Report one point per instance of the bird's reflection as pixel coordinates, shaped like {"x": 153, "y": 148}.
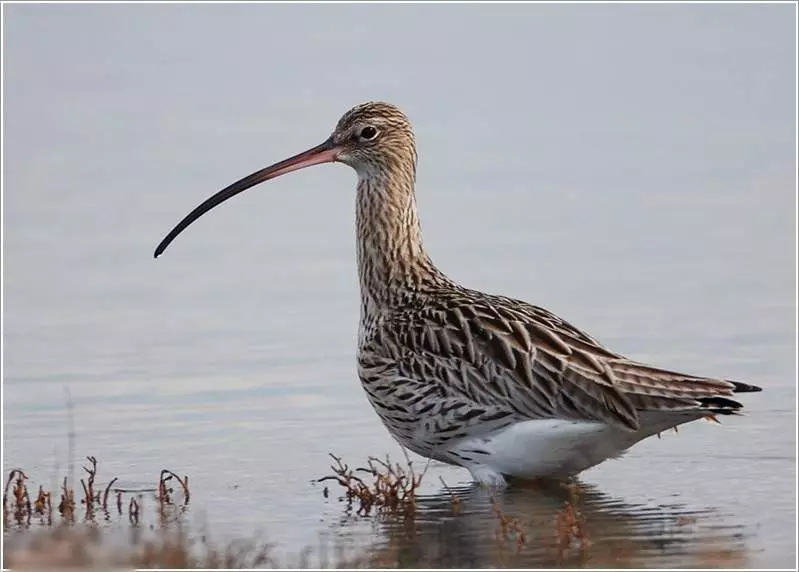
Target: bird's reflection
{"x": 534, "y": 526}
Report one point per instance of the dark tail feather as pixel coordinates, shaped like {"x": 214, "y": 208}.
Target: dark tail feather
{"x": 720, "y": 405}
{"x": 744, "y": 387}
{"x": 724, "y": 405}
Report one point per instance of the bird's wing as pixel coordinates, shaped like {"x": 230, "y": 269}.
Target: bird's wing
{"x": 494, "y": 350}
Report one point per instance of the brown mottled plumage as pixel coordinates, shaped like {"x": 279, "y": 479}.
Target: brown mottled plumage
{"x": 494, "y": 384}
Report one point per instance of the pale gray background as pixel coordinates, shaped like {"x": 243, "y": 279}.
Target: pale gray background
{"x": 629, "y": 167}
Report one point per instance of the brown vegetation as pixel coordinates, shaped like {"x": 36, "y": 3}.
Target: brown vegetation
{"x": 18, "y": 510}
{"x": 392, "y": 489}
{"x": 71, "y": 532}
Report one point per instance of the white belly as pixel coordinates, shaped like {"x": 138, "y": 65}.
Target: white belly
{"x": 542, "y": 448}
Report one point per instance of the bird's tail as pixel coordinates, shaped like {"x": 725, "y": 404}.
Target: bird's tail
{"x": 655, "y": 389}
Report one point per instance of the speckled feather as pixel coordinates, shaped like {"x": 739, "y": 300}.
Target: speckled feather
{"x": 441, "y": 363}
{"x": 494, "y": 384}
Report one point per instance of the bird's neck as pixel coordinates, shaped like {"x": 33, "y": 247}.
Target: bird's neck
{"x": 393, "y": 266}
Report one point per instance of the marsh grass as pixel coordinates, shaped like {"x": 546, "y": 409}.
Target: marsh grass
{"x": 102, "y": 525}
{"x": 389, "y": 488}
{"x": 93, "y": 503}
{"x": 40, "y": 532}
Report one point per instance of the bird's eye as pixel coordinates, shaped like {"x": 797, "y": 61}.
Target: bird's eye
{"x": 367, "y": 133}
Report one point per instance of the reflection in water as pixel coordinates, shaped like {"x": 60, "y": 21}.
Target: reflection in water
{"x": 617, "y": 533}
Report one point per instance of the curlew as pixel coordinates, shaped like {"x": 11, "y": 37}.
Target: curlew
{"x": 495, "y": 385}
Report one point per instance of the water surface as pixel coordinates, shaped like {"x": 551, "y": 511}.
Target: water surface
{"x": 629, "y": 167}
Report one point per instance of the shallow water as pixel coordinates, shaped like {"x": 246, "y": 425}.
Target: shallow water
{"x": 578, "y": 157}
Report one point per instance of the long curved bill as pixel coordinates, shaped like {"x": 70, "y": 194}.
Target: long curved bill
{"x": 324, "y": 153}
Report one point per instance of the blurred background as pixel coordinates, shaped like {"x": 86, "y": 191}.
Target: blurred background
{"x": 629, "y": 167}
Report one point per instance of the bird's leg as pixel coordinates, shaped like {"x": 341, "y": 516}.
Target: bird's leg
{"x": 487, "y": 477}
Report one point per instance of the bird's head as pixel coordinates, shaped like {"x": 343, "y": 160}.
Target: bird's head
{"x": 372, "y": 138}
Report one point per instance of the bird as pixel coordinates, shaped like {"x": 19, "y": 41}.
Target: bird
{"x": 501, "y": 387}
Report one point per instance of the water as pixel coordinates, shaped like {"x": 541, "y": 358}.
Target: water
{"x": 629, "y": 167}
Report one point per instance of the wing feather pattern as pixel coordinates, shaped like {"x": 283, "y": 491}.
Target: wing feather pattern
{"x": 494, "y": 357}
